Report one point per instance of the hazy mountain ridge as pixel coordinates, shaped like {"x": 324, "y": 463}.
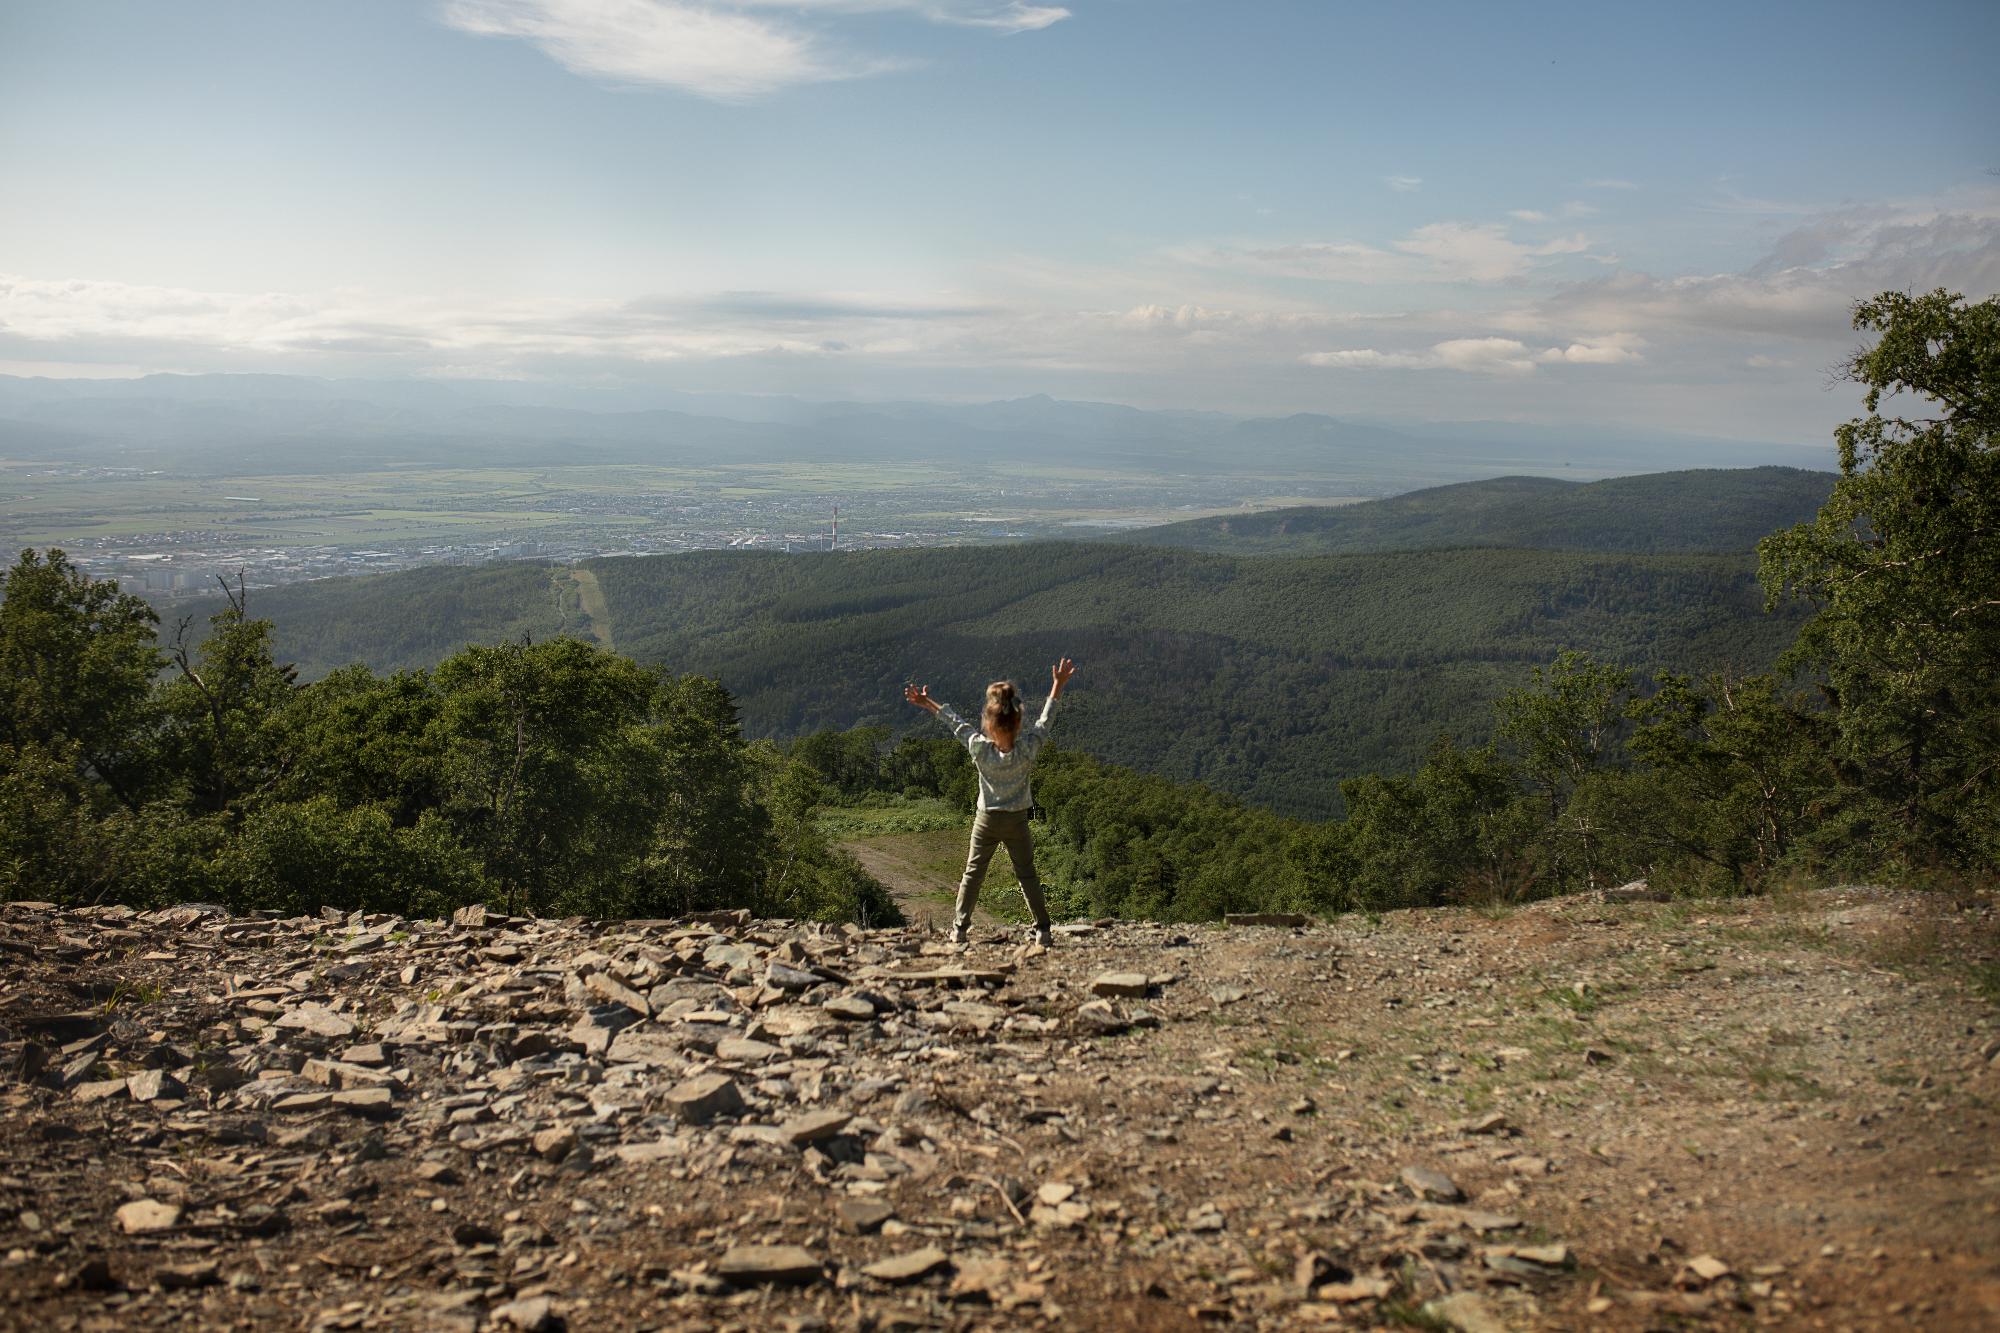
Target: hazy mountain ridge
{"x": 278, "y": 424}
{"x": 1692, "y": 511}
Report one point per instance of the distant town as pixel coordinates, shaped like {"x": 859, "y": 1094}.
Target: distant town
{"x": 279, "y": 530}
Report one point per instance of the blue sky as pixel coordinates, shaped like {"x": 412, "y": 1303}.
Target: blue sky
{"x": 1642, "y": 216}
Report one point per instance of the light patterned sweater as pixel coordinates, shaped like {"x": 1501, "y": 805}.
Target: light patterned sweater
{"x": 1003, "y": 775}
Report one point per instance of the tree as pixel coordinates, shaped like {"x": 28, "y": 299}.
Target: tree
{"x": 1735, "y": 774}
{"x": 77, "y": 662}
{"x": 222, "y": 709}
{"x": 1565, "y": 730}
{"x": 547, "y": 768}
{"x": 710, "y": 837}
{"x": 1451, "y": 830}
{"x": 1903, "y": 568}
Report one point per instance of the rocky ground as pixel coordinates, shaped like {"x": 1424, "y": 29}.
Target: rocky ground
{"x": 1582, "y": 1114}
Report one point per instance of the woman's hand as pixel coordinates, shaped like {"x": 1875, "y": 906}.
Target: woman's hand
{"x": 920, "y": 695}
{"x": 1059, "y": 675}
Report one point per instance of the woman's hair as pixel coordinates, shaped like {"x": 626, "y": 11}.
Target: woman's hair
{"x": 1003, "y": 709}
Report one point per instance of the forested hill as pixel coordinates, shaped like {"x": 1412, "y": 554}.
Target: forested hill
{"x": 1269, "y": 679}
{"x": 1721, "y": 510}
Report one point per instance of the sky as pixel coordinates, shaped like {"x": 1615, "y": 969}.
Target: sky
{"x": 1644, "y": 216}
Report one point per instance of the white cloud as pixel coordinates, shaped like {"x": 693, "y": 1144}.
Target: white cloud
{"x": 1438, "y": 252}
{"x": 1001, "y": 15}
{"x": 1475, "y": 356}
{"x": 1367, "y": 358}
{"x": 1806, "y": 284}
{"x": 1610, "y": 350}
{"x": 1528, "y": 215}
{"x": 1405, "y": 184}
{"x": 718, "y": 49}
{"x": 1459, "y": 252}
{"x": 1610, "y": 183}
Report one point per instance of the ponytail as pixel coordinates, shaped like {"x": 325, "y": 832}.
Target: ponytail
{"x": 1003, "y": 709}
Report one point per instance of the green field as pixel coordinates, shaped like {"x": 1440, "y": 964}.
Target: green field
{"x": 43, "y": 504}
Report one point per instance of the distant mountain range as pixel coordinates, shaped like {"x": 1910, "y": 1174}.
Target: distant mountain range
{"x": 270, "y": 424}
{"x": 1272, "y": 678}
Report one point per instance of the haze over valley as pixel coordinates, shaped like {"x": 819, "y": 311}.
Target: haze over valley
{"x": 172, "y": 482}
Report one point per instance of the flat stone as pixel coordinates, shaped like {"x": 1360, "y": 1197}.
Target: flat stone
{"x": 744, "y": 1051}
{"x": 152, "y": 1085}
{"x": 1101, "y": 1017}
{"x": 981, "y": 1280}
{"x": 908, "y": 1267}
{"x": 1466, "y": 1311}
{"x": 303, "y": 1101}
{"x": 864, "y": 1215}
{"x": 316, "y": 1019}
{"x": 1054, "y": 1192}
{"x": 369, "y": 1055}
{"x": 1286, "y": 920}
{"x": 783, "y": 976}
{"x": 1428, "y": 1183}
{"x": 638, "y": 1154}
{"x": 1481, "y": 1221}
{"x": 1707, "y": 1267}
{"x": 338, "y": 1074}
{"x": 613, "y": 991}
{"x": 850, "y": 1008}
{"x": 954, "y": 976}
{"x": 373, "y": 1103}
{"x": 1493, "y": 1123}
{"x": 101, "y": 1090}
{"x": 552, "y": 1145}
{"x": 783, "y": 1265}
{"x": 1125, "y": 985}
{"x": 143, "y": 1216}
{"x": 696, "y": 1101}
{"x": 816, "y": 1126}
{"x": 1360, "y": 1289}
{"x": 645, "y": 1046}
{"x": 188, "y": 1277}
{"x": 531, "y": 1314}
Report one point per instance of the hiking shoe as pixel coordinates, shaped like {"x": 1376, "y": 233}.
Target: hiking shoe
{"x": 1046, "y": 938}
{"x": 956, "y": 936}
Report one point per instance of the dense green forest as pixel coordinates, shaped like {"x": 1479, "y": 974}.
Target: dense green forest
{"x": 1703, "y": 510}
{"x": 547, "y": 778}
{"x": 1272, "y": 680}
{"x": 1858, "y": 736}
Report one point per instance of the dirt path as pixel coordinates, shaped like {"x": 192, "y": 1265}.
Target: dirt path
{"x": 924, "y": 897}
{"x": 595, "y": 610}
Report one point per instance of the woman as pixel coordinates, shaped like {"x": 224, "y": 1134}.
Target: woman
{"x": 1005, "y": 757}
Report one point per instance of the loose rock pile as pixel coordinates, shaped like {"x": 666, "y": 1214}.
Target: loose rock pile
{"x": 364, "y": 1121}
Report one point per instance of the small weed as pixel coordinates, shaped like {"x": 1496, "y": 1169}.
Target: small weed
{"x": 1776, "y": 1081}
{"x": 1984, "y": 979}
{"x": 125, "y": 993}
{"x": 1582, "y": 1002}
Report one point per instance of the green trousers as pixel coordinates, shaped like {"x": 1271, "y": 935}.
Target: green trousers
{"x": 995, "y": 828}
